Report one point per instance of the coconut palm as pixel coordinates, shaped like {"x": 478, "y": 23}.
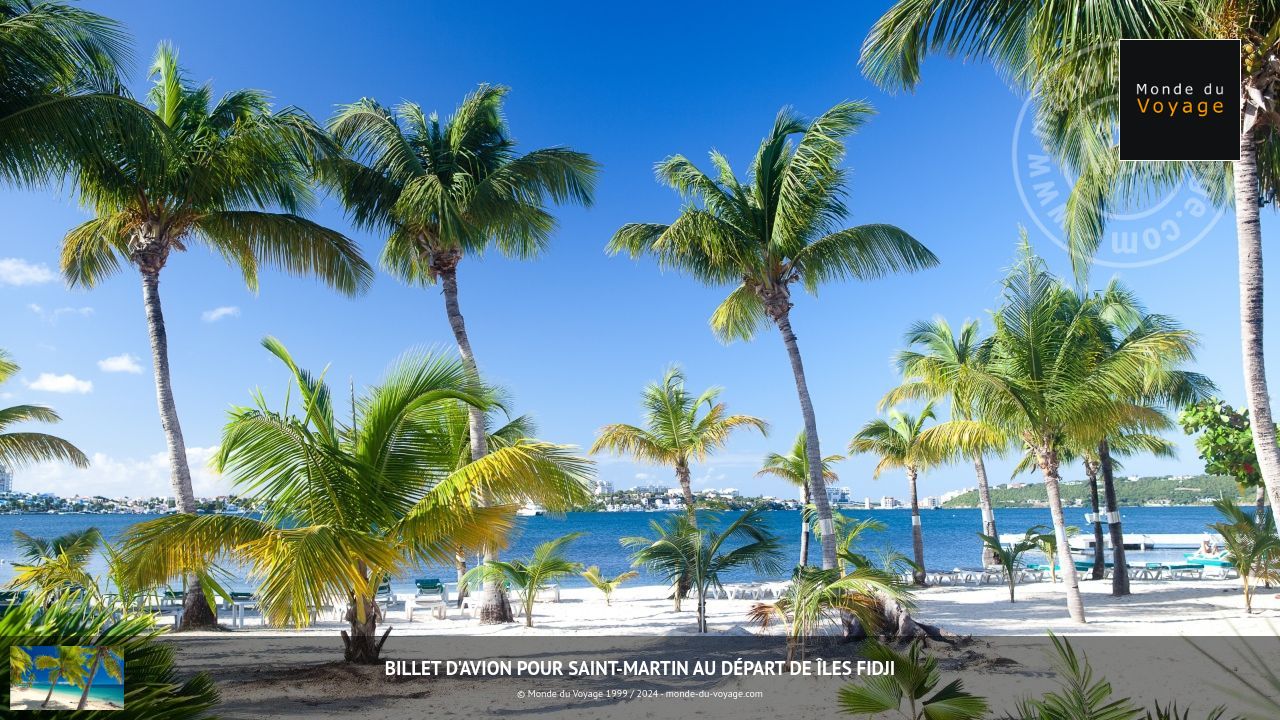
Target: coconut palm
{"x": 445, "y": 190}
{"x": 666, "y": 553}
{"x": 108, "y": 660}
{"x": 794, "y": 468}
{"x": 206, "y": 175}
{"x": 21, "y": 448}
{"x": 67, "y": 664}
{"x": 930, "y": 364}
{"x": 52, "y": 566}
{"x": 779, "y": 227}
{"x": 896, "y": 441}
{"x": 1252, "y": 547}
{"x": 1066, "y": 53}
{"x": 547, "y": 565}
{"x": 679, "y": 428}
{"x": 1009, "y": 557}
{"x": 910, "y": 690}
{"x": 349, "y": 504}
{"x": 20, "y": 665}
{"x": 607, "y": 585}
{"x": 1050, "y": 380}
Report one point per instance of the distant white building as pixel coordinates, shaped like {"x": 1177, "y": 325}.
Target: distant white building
{"x": 930, "y": 502}
{"x": 839, "y": 495}
{"x": 866, "y": 504}
{"x": 603, "y": 487}
{"x": 730, "y": 492}
{"x": 888, "y": 501}
{"x": 6, "y": 479}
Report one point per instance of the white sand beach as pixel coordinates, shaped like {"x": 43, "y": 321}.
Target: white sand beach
{"x": 31, "y": 699}
{"x": 1206, "y": 607}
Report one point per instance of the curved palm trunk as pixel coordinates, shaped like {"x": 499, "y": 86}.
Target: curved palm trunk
{"x": 1249, "y": 238}
{"x": 88, "y": 684}
{"x": 817, "y": 487}
{"x": 1048, "y": 460}
{"x": 686, "y": 489}
{"x": 917, "y": 533}
{"x": 53, "y": 683}
{"x": 804, "y": 525}
{"x": 496, "y": 607}
{"x": 1119, "y": 566}
{"x": 988, "y": 511}
{"x": 196, "y": 612}
{"x": 1099, "y": 554}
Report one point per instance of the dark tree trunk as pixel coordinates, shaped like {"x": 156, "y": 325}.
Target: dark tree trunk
{"x": 917, "y": 533}
{"x": 1119, "y": 567}
{"x": 988, "y": 511}
{"x": 804, "y": 525}
{"x": 1099, "y": 554}
{"x": 686, "y": 489}
{"x": 53, "y": 684}
{"x": 88, "y": 684}
{"x": 360, "y": 642}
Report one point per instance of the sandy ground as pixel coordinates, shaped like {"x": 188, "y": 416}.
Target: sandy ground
{"x": 30, "y": 699}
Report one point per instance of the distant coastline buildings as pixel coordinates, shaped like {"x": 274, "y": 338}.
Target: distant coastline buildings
{"x": 6, "y": 479}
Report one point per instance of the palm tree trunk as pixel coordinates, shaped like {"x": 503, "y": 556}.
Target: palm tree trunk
{"x": 53, "y": 683}
{"x": 1099, "y": 554}
{"x": 1119, "y": 566}
{"x": 88, "y": 684}
{"x": 1249, "y": 238}
{"x": 1260, "y": 506}
{"x": 817, "y": 486}
{"x": 1049, "y": 468}
{"x": 196, "y": 613}
{"x": 495, "y": 607}
{"x": 361, "y": 645}
{"x": 686, "y": 488}
{"x": 804, "y": 525}
{"x": 988, "y": 511}
{"x": 917, "y": 533}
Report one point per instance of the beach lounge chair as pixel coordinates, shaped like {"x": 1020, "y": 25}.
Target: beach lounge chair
{"x": 1221, "y": 567}
{"x": 547, "y": 593}
{"x": 9, "y": 598}
{"x": 1184, "y": 571}
{"x": 431, "y": 587}
{"x": 384, "y": 597}
{"x": 431, "y": 595}
{"x": 992, "y": 573}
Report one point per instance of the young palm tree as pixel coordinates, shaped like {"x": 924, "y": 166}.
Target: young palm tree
{"x": 780, "y": 227}
{"x": 107, "y": 659}
{"x": 20, "y": 448}
{"x": 348, "y": 505}
{"x": 607, "y": 585}
{"x": 930, "y": 368}
{"x": 1067, "y": 54}
{"x": 50, "y": 567}
{"x": 445, "y": 190}
{"x": 1252, "y": 547}
{"x": 896, "y": 442}
{"x": 679, "y": 428}
{"x": 204, "y": 175}
{"x": 910, "y": 690}
{"x": 67, "y": 664}
{"x": 1009, "y": 557}
{"x": 794, "y": 468}
{"x": 1049, "y": 380}
{"x": 666, "y": 553}
{"x": 547, "y": 565}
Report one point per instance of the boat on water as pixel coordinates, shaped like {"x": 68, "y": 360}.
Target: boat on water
{"x": 531, "y": 509}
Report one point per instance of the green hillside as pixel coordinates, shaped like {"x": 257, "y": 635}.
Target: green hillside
{"x": 1196, "y": 490}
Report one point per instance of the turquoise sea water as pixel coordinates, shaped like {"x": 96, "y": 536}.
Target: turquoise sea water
{"x": 949, "y": 535}
{"x": 99, "y": 692}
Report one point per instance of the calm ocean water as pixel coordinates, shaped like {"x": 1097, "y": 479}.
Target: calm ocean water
{"x": 949, "y": 535}
{"x": 113, "y": 693}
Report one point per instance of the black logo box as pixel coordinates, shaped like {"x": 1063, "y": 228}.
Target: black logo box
{"x": 1190, "y": 65}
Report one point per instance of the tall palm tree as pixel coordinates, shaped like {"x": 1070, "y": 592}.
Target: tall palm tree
{"x": 21, "y": 448}
{"x": 67, "y": 664}
{"x": 351, "y": 504}
{"x": 107, "y": 659}
{"x": 1049, "y": 381}
{"x": 779, "y": 227}
{"x": 930, "y": 367}
{"x": 679, "y": 428}
{"x": 444, "y": 190}
{"x": 794, "y": 468}
{"x": 896, "y": 441}
{"x": 1066, "y": 53}
{"x": 59, "y": 87}
{"x": 205, "y": 175}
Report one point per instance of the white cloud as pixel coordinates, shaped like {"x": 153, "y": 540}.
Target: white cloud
{"x": 125, "y": 363}
{"x": 123, "y": 477}
{"x": 14, "y": 271}
{"x": 53, "y": 315}
{"x": 61, "y": 384}
{"x": 643, "y": 476}
{"x": 219, "y": 313}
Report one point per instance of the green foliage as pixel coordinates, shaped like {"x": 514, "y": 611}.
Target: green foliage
{"x": 56, "y": 565}
{"x": 607, "y": 585}
{"x": 1010, "y": 556}
{"x": 910, "y": 690}
{"x": 1225, "y": 442}
{"x": 1252, "y": 546}
{"x": 895, "y": 441}
{"x": 546, "y": 566}
{"x": 1143, "y": 491}
{"x": 21, "y": 448}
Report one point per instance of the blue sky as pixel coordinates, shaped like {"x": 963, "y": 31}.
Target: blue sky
{"x": 576, "y": 334}
{"x": 101, "y": 677}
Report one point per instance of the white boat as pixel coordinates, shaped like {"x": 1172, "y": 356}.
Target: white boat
{"x": 531, "y": 509}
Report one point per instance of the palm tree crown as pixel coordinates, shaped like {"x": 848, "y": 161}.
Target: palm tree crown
{"x": 896, "y": 441}
{"x": 20, "y": 448}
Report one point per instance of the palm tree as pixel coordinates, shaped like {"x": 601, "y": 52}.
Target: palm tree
{"x": 55, "y": 565}
{"x": 444, "y": 190}
{"x": 1049, "y": 381}
{"x": 1252, "y": 547}
{"x": 348, "y": 505}
{"x": 666, "y": 553}
{"x": 20, "y": 665}
{"x": 1066, "y": 53}
{"x": 108, "y": 660}
{"x": 547, "y": 565}
{"x": 915, "y": 686}
{"x": 896, "y": 442}
{"x": 607, "y": 585}
{"x": 59, "y": 87}
{"x": 679, "y": 428}
{"x": 780, "y": 227}
{"x": 67, "y": 664}
{"x": 1009, "y": 557}
{"x": 794, "y": 468}
{"x": 705, "y": 554}
{"x": 202, "y": 176}
{"x": 20, "y": 448}
{"x": 930, "y": 372}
